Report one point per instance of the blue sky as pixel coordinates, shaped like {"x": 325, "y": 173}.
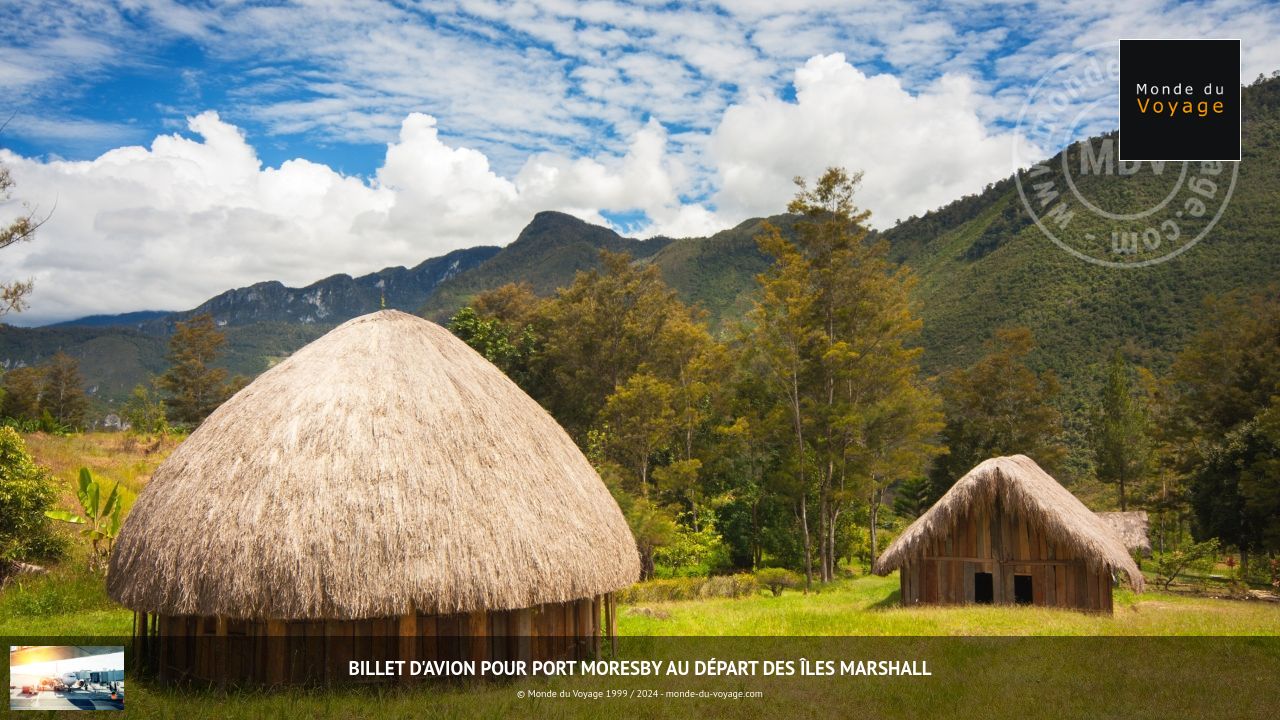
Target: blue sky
{"x": 192, "y": 147}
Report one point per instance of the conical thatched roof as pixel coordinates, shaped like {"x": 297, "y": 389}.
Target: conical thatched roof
{"x": 1022, "y": 487}
{"x": 386, "y": 465}
{"x": 1131, "y": 526}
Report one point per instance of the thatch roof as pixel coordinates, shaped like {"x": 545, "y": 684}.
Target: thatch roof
{"x": 1022, "y": 486}
{"x": 383, "y": 467}
{"x": 1131, "y": 527}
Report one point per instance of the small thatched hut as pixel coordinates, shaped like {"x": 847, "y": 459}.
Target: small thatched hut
{"x": 1007, "y": 532}
{"x": 1132, "y": 527}
{"x": 384, "y": 493}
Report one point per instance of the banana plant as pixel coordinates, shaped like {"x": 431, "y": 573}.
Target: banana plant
{"x": 101, "y": 519}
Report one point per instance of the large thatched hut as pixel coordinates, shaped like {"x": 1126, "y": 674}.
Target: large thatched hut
{"x": 1007, "y": 532}
{"x": 384, "y": 493}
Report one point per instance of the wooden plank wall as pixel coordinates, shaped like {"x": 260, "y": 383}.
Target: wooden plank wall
{"x": 221, "y": 651}
{"x": 1004, "y": 545}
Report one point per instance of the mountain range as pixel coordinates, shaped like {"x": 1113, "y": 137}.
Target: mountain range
{"x": 980, "y": 263}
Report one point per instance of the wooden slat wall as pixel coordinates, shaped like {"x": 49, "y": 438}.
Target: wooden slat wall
{"x": 220, "y": 650}
{"x": 1004, "y": 545}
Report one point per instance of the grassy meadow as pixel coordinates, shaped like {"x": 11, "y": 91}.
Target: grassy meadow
{"x": 1032, "y": 677}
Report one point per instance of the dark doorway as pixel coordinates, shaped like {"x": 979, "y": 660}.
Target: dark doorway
{"x": 983, "y": 588}
{"x": 1022, "y": 589}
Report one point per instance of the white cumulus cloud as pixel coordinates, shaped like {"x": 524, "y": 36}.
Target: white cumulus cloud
{"x": 169, "y": 225}
{"x": 918, "y": 151}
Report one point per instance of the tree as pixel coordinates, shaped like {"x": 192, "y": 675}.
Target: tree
{"x": 998, "y": 406}
{"x": 1223, "y": 420}
{"x": 639, "y": 422}
{"x": 1122, "y": 447}
{"x": 144, "y": 412}
{"x": 598, "y": 332}
{"x": 499, "y": 324}
{"x": 747, "y": 453}
{"x": 651, "y": 525}
{"x": 63, "y": 393}
{"x": 194, "y": 387}
{"x": 832, "y": 334}
{"x": 695, "y": 366}
{"x": 912, "y": 497}
{"x": 13, "y": 294}
{"x": 22, "y": 388}
{"x": 779, "y": 347}
{"x": 26, "y": 491}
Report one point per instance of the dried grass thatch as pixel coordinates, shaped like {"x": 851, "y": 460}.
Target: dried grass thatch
{"x": 1022, "y": 487}
{"x": 383, "y": 467}
{"x": 1132, "y": 527}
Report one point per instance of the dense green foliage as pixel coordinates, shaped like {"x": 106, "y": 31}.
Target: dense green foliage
{"x": 26, "y": 492}
{"x": 1225, "y": 418}
{"x": 144, "y": 413}
{"x": 50, "y": 396}
{"x": 1200, "y": 556}
{"x": 998, "y": 406}
{"x": 743, "y": 436}
{"x": 1122, "y": 447}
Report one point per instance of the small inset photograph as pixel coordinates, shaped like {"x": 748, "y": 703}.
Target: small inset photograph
{"x": 66, "y": 677}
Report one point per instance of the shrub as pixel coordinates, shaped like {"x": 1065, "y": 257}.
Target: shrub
{"x": 689, "y": 588}
{"x": 692, "y": 553}
{"x": 729, "y": 586}
{"x": 26, "y": 491}
{"x": 1200, "y": 556}
{"x": 777, "y": 579}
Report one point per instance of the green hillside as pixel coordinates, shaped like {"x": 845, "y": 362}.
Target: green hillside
{"x": 114, "y": 359}
{"x": 546, "y": 254}
{"x": 993, "y": 267}
{"x": 718, "y": 273}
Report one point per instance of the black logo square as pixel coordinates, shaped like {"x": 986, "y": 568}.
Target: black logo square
{"x": 1179, "y": 100}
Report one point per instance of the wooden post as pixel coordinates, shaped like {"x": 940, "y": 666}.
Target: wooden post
{"x": 277, "y": 651}
{"x": 220, "y": 647}
{"x": 427, "y": 631}
{"x": 162, "y": 625}
{"x": 582, "y": 633}
{"x": 153, "y": 642}
{"x": 137, "y": 640}
{"x": 595, "y": 627}
{"x": 408, "y": 639}
{"x": 521, "y": 628}
{"x": 553, "y": 628}
{"x": 478, "y": 635}
{"x": 613, "y": 625}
